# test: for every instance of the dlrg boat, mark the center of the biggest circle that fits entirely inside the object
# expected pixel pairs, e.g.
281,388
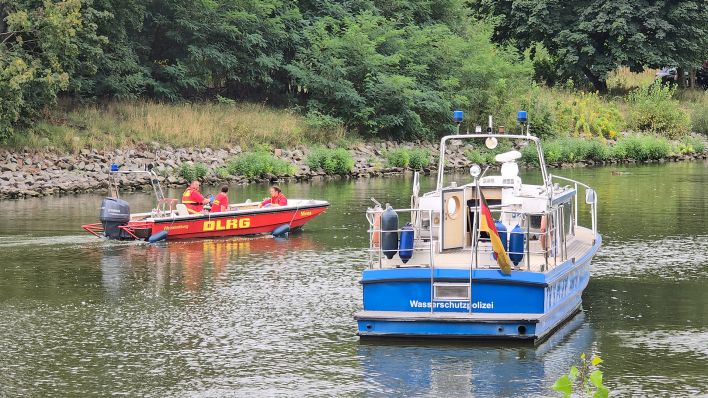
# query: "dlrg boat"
171,220
444,275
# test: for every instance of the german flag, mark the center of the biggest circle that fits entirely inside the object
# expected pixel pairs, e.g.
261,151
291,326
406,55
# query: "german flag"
486,223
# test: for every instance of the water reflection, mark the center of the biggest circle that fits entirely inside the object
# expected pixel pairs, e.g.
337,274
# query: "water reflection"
404,368
192,265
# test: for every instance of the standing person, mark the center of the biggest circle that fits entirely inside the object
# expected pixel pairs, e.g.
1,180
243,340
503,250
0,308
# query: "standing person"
193,199
221,202
276,198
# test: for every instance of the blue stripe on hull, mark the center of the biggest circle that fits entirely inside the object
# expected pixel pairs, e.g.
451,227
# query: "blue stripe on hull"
536,302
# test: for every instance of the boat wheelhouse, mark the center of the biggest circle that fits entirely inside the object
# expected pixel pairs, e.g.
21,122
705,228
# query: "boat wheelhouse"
438,275
171,220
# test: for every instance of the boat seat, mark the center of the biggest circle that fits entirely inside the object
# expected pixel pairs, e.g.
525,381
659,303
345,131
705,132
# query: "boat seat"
181,209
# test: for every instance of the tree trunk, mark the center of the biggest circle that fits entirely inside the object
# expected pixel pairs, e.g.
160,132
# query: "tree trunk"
599,84
692,78
680,77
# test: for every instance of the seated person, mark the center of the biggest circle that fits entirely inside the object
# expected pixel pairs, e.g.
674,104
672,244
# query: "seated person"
276,198
193,199
221,202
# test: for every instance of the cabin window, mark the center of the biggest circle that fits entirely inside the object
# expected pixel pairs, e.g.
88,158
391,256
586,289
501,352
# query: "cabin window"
453,207
452,291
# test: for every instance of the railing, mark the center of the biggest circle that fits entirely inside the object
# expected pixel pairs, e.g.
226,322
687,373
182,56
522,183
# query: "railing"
592,201
550,235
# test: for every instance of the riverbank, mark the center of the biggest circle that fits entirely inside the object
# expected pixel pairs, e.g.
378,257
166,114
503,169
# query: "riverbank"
31,173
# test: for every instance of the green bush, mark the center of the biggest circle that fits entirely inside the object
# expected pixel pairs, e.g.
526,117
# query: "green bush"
589,116
331,161
689,145
398,158
654,110
529,155
259,164
191,172
419,159
699,119
483,155
186,171
641,147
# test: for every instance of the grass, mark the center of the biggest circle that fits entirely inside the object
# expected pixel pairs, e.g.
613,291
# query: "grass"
116,124
622,80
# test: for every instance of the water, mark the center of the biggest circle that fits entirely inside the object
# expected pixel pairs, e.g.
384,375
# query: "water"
267,317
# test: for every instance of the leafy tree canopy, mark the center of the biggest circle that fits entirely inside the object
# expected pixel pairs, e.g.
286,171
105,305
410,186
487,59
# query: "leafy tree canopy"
593,37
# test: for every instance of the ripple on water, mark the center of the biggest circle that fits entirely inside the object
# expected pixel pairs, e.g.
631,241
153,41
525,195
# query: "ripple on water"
678,258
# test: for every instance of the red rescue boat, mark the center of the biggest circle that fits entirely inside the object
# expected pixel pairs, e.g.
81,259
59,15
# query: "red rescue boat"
171,220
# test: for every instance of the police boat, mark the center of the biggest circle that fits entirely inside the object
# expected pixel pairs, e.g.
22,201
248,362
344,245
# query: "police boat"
492,257
171,220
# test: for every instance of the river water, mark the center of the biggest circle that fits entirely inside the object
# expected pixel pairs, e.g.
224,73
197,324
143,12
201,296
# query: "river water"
266,317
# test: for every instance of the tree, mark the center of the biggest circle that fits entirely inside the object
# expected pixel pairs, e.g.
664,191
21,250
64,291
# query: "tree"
42,43
590,38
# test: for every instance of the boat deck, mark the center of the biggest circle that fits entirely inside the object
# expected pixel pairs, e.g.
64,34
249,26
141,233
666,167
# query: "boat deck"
576,246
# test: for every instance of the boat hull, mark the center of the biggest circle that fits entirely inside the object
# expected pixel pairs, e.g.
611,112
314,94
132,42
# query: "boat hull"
523,305
216,225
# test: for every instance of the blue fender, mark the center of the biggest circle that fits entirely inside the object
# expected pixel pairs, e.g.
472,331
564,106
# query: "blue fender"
162,235
281,230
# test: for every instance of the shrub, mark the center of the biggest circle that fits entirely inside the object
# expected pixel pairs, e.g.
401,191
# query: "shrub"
653,109
398,158
259,164
699,119
529,155
331,161
484,155
191,172
641,147
200,170
419,159
689,145
589,116
186,171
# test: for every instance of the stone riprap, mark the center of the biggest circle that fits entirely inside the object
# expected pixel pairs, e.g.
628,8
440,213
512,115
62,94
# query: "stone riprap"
27,173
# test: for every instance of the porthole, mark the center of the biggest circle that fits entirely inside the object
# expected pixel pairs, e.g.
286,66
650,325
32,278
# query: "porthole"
453,207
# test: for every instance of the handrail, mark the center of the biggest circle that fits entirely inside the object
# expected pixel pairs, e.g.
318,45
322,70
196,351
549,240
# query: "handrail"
593,205
443,140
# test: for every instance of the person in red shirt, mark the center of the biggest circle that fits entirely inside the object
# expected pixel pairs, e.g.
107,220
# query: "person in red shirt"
193,199
221,202
276,198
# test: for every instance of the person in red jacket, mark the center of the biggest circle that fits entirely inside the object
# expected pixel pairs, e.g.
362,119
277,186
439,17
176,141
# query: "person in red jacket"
193,199
221,202
276,198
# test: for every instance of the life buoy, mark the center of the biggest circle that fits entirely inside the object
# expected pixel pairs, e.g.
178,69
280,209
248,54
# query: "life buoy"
545,225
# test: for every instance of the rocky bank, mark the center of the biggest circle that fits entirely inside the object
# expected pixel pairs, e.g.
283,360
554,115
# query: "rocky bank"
38,173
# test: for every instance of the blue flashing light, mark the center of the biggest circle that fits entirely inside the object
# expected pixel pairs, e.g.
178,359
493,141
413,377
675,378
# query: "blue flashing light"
457,116
521,116
114,167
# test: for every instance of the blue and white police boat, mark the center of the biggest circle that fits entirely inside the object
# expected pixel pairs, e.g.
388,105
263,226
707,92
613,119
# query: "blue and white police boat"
436,271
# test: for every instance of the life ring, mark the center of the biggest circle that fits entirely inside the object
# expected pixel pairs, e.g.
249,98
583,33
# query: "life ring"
545,225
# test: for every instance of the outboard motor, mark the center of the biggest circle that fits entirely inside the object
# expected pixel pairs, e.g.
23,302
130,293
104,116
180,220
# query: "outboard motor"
114,213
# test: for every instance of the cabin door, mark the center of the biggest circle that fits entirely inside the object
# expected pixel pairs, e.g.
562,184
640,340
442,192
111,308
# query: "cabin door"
453,225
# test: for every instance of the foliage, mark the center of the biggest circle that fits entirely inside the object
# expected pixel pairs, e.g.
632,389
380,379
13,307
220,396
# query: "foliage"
585,380
398,158
331,161
641,147
689,145
42,43
259,164
589,39
191,172
414,158
589,116
419,158
654,110
483,156
385,79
